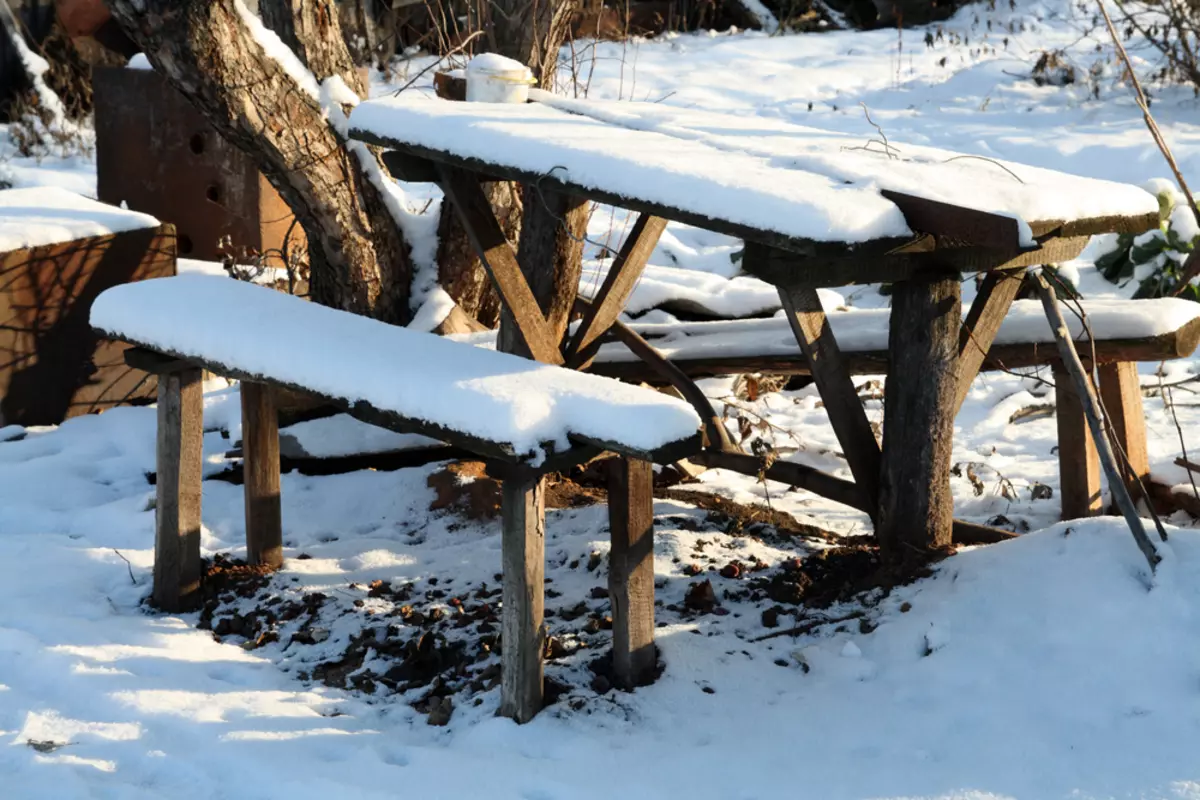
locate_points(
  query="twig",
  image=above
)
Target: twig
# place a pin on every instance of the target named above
(1191, 267)
(1091, 410)
(807, 627)
(461, 46)
(127, 566)
(990, 161)
(882, 135)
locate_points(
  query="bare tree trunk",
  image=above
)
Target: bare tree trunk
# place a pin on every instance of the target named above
(206, 49)
(532, 32)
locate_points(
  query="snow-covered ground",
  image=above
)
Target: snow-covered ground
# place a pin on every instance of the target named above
(1040, 668)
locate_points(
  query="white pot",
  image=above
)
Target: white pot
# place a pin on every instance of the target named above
(492, 78)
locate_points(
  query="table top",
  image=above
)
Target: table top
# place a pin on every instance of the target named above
(754, 177)
(49, 215)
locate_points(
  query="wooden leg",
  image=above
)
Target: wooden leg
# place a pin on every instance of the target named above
(1121, 393)
(832, 377)
(631, 570)
(179, 458)
(1078, 461)
(524, 542)
(916, 511)
(260, 450)
(983, 321)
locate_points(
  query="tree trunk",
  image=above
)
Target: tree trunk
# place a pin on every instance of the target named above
(207, 50)
(532, 32)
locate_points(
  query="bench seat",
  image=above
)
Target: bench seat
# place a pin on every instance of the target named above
(498, 405)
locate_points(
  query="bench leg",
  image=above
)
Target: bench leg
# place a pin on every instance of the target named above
(1078, 461)
(524, 543)
(1121, 394)
(260, 450)
(179, 458)
(631, 570)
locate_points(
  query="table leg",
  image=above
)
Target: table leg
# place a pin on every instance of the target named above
(916, 511)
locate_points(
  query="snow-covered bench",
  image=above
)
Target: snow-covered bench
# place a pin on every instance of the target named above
(526, 418)
(1122, 334)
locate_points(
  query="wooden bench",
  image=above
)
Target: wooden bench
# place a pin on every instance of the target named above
(523, 417)
(1125, 333)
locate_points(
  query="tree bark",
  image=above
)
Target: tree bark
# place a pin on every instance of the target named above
(206, 49)
(532, 32)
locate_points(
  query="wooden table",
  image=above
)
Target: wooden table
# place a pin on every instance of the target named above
(815, 209)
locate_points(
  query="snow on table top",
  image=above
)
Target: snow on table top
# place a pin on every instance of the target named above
(689, 175)
(859, 331)
(747, 170)
(498, 397)
(1026, 193)
(49, 215)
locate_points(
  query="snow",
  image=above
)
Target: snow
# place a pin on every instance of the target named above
(500, 398)
(49, 215)
(495, 64)
(139, 61)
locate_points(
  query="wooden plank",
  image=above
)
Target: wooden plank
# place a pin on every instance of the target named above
(983, 322)
(631, 570)
(463, 190)
(1078, 461)
(522, 504)
(179, 458)
(830, 373)
(618, 284)
(260, 448)
(1167, 346)
(1121, 394)
(916, 509)
(962, 224)
(862, 252)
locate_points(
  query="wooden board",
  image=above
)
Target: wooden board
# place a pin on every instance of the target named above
(631, 570)
(1078, 461)
(179, 459)
(52, 365)
(1121, 394)
(983, 322)
(260, 448)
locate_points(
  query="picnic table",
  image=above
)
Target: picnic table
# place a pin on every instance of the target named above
(815, 209)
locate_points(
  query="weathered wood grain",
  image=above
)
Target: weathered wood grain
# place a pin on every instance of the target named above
(522, 505)
(260, 450)
(987, 313)
(1078, 462)
(1121, 393)
(179, 459)
(916, 510)
(631, 570)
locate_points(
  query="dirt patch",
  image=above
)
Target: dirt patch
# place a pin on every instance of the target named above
(465, 487)
(739, 519)
(836, 575)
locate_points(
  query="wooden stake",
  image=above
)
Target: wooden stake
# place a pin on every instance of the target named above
(179, 458)
(1091, 409)
(260, 449)
(1078, 461)
(1121, 393)
(523, 543)
(916, 510)
(631, 570)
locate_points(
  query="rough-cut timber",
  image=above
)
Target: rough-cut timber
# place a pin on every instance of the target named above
(260, 451)
(631, 570)
(52, 365)
(1078, 462)
(829, 371)
(522, 503)
(983, 322)
(916, 510)
(359, 259)
(180, 455)
(1121, 394)
(618, 285)
(496, 254)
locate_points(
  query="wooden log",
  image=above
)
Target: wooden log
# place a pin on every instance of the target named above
(830, 373)
(618, 284)
(1078, 463)
(982, 324)
(522, 503)
(260, 447)
(496, 254)
(1121, 393)
(179, 459)
(916, 510)
(631, 570)
(1096, 424)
